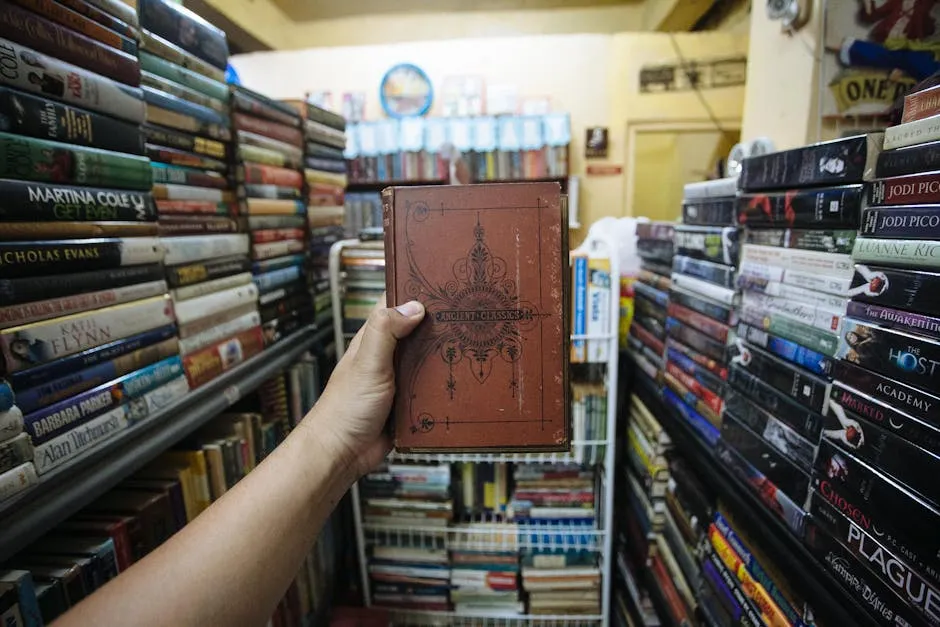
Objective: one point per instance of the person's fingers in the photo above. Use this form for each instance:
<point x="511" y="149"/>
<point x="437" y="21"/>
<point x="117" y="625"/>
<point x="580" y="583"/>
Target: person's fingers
<point x="350" y="354"/>
<point x="382" y="331"/>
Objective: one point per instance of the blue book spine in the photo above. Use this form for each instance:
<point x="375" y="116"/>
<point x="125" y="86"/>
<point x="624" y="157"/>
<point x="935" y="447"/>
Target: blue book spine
<point x="272" y="280"/>
<point x="7" y="398"/>
<point x="579" y="347"/>
<point x="659" y="297"/>
<point x="58" y="418"/>
<point x="184" y="107"/>
<point x="704" y="428"/>
<point x="26" y="596"/>
<point x="45" y="373"/>
<point x="721" y="590"/>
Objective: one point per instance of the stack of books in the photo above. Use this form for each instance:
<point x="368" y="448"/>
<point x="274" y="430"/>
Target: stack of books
<point x="363" y="267"/>
<point x="274" y="192"/>
<point x="553" y="504"/>
<point x="874" y="500"/>
<point x="107" y="537"/>
<point x="482" y="490"/>
<point x="647" y="338"/>
<point x="363" y="210"/>
<point x="702" y="300"/>
<point x="408" y="571"/>
<point x="795" y="274"/>
<point x="87" y="329"/>
<point x="485" y="570"/>
<point x="325" y="175"/>
<point x="188" y="132"/>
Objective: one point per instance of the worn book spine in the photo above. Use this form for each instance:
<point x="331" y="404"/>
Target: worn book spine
<point x="56" y="162"/>
<point x="25" y="114"/>
<point x="193" y="309"/>
<point x="182" y="141"/>
<point x="54" y="39"/>
<point x="280" y="132"/>
<point x="62" y="14"/>
<point x="81" y="380"/>
<point x="180" y="175"/>
<point x="68" y="83"/>
<point x="22" y="259"/>
<point x="174" y="54"/>
<point x="18" y="479"/>
<point x="257" y="105"/>
<point x="170" y="191"/>
<point x="912" y="133"/>
<point x="188" y="78"/>
<point x="271" y="175"/>
<point x="58" y="230"/>
<point x="153" y="81"/>
<point x="186" y="29"/>
<point x="109" y="21"/>
<point x="174" y="156"/>
<point x="15" y="451"/>
<point x="190" y="274"/>
<point x="34" y="344"/>
<point x="196" y="225"/>
<point x="185" y="250"/>
<point x="208" y="363"/>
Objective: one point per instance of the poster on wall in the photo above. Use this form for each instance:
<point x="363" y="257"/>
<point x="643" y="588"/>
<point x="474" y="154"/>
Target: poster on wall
<point x="875" y="51"/>
<point x="461" y="96"/>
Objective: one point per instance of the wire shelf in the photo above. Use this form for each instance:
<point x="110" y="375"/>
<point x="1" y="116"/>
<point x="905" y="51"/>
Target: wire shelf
<point x="580" y="454"/>
<point x="415" y="618"/>
<point x="489" y="536"/>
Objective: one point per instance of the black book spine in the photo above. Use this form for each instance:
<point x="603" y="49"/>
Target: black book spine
<point x="836" y="207"/>
<point x="841" y="161"/>
<point x="185" y="29"/>
<point x="912" y="160"/>
<point x="804" y="421"/>
<point x="25" y="290"/>
<point x="22" y="259"/>
<point x="806" y="388"/>
<point x="178" y="276"/>
<point x="184" y="141"/>
<point x="25" y="114"/>
<point x="26" y="201"/>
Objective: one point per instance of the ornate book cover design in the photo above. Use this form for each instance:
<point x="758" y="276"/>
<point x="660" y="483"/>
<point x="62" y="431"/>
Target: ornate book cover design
<point x="487" y="368"/>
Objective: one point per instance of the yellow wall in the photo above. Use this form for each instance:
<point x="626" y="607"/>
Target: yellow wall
<point x="592" y="77"/>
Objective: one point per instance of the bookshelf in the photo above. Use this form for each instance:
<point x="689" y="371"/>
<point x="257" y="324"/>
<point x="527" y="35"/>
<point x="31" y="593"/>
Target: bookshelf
<point x="489" y="533"/>
<point x="67" y="489"/>
<point x="829" y="601"/>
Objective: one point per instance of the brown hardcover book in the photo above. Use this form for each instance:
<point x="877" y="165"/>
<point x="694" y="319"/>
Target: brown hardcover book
<point x="487" y="368"/>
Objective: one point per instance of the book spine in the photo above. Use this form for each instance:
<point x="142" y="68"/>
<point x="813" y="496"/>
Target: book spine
<point x="192" y="207"/>
<point x="900" y="288"/>
<point x="905" y="190"/>
<point x="906" y="357"/>
<point x="84" y="230"/>
<point x="894" y="419"/>
<point x="15" y="451"/>
<point x="912" y="160"/>
<point x="209" y="287"/>
<point x="717" y="273"/>
<point x="702" y="427"/>
<point x="579" y="267"/>
<point x="11" y="417"/>
<point x="34" y="116"/>
<point x="167" y="191"/>
<point x="74" y="383"/>
<point x="51" y="371"/>
<point x="258" y="106"/>
<point x="276" y="249"/>
<point x="174" y="156"/>
<point x="790" y="328"/>
<point x="210" y="322"/>
<point x="702" y="375"/>
<point x="55" y="307"/>
<point x="718" y="244"/>
<point x="265" y="156"/>
<point x="911" y="133"/>
<point x="267" y="206"/>
<point x="921" y="104"/>
<point x="184" y="250"/>
<point x="276" y="278"/>
<point x="185" y="29"/>
<point x="802" y="420"/>
<point x="68" y="83"/>
<point x="170" y="227"/>
<point x="848" y="160"/>
<point x="182" y="141"/>
<point x="789" y="350"/>
<point x="264" y="236"/>
<point x="216" y="334"/>
<point x="19" y="259"/>
<point x="274" y="192"/>
<point x="56" y="40"/>
<point x="216" y="123"/>
<point x="821" y="240"/>
<point x="26" y="201"/>
<point x="280" y="132"/>
<point x="18" y="291"/>
<point x="208" y="363"/>
<point x="724" y="295"/>
<point x="54" y="420"/>
<point x="75" y="442"/>
<point x="174" y="54"/>
<point x="829" y="264"/>
<point x="798" y="294"/>
<point x="17" y="480"/>
<point x="190" y="274"/>
<point x="837" y="207"/>
<point x="109" y="21"/>
<point x="699" y="321"/>
<point x="179" y="175"/>
<point x="55" y="162"/>
<point x="168" y="87"/>
<point x="271" y="175"/>
<point x="716" y="368"/>
<point x="157" y="114"/>
<point x="718" y="188"/>
<point x="902" y="222"/>
<point x="895" y="319"/>
<point x="119" y="9"/>
<point x="172" y="72"/>
<point x="189" y="311"/>
<point x="61" y="14"/>
<point x="825" y="319"/>
<point x="708" y="212"/>
<point x="35" y="344"/>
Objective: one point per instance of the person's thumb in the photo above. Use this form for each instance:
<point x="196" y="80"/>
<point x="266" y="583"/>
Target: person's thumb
<point x="383" y="330"/>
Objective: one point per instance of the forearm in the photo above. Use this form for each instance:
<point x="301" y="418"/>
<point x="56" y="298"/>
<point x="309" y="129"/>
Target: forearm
<point x="233" y="563"/>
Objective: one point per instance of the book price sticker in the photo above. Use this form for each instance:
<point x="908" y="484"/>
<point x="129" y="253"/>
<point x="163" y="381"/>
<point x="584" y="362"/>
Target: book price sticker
<point x="232" y="394"/>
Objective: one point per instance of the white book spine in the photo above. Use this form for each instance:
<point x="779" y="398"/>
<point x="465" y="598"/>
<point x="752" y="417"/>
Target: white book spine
<point x="911" y="133"/>
<point x="711" y="189"/>
<point x="276" y="249"/>
<point x="181" y="250"/>
<point x="829" y="264"/>
<point x="17" y="479"/>
<point x="209" y="287"/>
<point x="173" y="191"/>
<point x="219" y="333"/>
<point x="194" y="309"/>
<point x="598" y="309"/>
<point x="837" y="286"/>
<point x="38" y="343"/>
<point x="56" y="307"/>
<point x="79" y="86"/>
<point x="11" y="423"/>
<point x="723" y="295"/>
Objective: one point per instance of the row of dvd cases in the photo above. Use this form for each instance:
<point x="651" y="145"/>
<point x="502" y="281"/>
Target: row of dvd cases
<point x="789" y="323"/>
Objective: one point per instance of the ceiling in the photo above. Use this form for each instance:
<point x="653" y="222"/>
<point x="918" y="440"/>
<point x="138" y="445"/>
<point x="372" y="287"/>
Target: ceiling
<point x="306" y="10"/>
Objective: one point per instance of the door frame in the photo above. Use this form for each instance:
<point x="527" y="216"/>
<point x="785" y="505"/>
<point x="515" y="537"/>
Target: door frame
<point x="672" y="126"/>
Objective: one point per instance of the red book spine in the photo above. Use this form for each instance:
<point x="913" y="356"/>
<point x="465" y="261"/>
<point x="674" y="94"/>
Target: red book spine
<point x="102" y="17"/>
<point x="202" y="225"/>
<point x="275" y="235"/>
<point x="698" y="321"/>
<point x="281" y="132"/>
<point x="676" y="607"/>
<point x="905" y="190"/>
<point x="208" y="363"/>
<point x="29" y="29"/>
<point x="648" y="338"/>
<point x="712" y="400"/>
<point x="260" y="174"/>
<point x="921" y="104"/>
<point x="201" y="207"/>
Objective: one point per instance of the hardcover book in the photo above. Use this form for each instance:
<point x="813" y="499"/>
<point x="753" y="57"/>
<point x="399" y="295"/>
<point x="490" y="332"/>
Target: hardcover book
<point x="487" y="368"/>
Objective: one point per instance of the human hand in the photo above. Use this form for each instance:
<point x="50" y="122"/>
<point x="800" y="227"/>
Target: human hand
<point x="350" y="416"/>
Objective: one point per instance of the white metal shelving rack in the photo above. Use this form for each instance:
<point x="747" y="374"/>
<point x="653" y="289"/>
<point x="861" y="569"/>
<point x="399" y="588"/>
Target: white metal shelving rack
<point x="506" y="534"/>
